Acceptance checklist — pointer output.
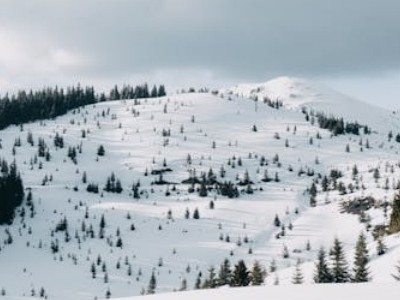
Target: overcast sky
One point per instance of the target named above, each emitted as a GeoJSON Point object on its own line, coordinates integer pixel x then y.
{"type": "Point", "coordinates": [352, 45]}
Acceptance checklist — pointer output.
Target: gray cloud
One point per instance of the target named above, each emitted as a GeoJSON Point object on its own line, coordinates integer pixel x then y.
{"type": "Point", "coordinates": [251, 40]}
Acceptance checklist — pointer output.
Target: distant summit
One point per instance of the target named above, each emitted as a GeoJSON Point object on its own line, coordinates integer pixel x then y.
{"type": "Point", "coordinates": [298, 93]}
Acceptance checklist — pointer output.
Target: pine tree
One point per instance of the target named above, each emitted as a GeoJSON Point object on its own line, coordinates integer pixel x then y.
{"type": "Point", "coordinates": [203, 188]}
{"type": "Point", "coordinates": [154, 93]}
{"type": "Point", "coordinates": [322, 274]}
{"type": "Point", "coordinates": [211, 281]}
{"type": "Point", "coordinates": [381, 248]}
{"type": "Point", "coordinates": [361, 260]}
{"type": "Point", "coordinates": [101, 151]}
{"type": "Point", "coordinates": [224, 274]}
{"type": "Point", "coordinates": [339, 270]}
{"type": "Point", "coordinates": [183, 285]}
{"type": "Point", "coordinates": [151, 288]}
{"type": "Point", "coordinates": [298, 274]}
{"type": "Point", "coordinates": [161, 91]}
{"type": "Point", "coordinates": [394, 225]}
{"type": "Point", "coordinates": [187, 213]}
{"type": "Point", "coordinates": [397, 275]}
{"type": "Point", "coordinates": [93, 270]}
{"type": "Point", "coordinates": [241, 275]}
{"type": "Point", "coordinates": [258, 274]}
{"type": "Point", "coordinates": [196, 214]}
{"type": "Point", "coordinates": [277, 222]}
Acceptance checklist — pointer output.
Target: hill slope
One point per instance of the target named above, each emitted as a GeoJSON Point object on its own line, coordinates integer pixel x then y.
{"type": "Point", "coordinates": [296, 93]}
{"type": "Point", "coordinates": [270, 156]}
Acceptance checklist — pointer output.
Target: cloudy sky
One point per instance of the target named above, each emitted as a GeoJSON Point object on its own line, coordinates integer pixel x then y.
{"type": "Point", "coordinates": [352, 45]}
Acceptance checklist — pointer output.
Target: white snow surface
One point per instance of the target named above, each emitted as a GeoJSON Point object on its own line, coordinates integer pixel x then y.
{"type": "Point", "coordinates": [132, 136]}
{"type": "Point", "coordinates": [296, 93]}
{"type": "Point", "coordinates": [298, 292]}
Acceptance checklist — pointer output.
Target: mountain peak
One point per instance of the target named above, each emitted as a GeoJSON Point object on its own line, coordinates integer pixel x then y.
{"type": "Point", "coordinates": [298, 93]}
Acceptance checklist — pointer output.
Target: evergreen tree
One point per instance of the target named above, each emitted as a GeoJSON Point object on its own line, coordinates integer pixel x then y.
{"type": "Point", "coordinates": [381, 248]}
{"type": "Point", "coordinates": [258, 274]}
{"type": "Point", "coordinates": [361, 259]}
{"type": "Point", "coordinates": [339, 270]}
{"type": "Point", "coordinates": [211, 281]}
{"type": "Point", "coordinates": [224, 274]}
{"type": "Point", "coordinates": [241, 276]}
{"type": "Point", "coordinates": [196, 214]}
{"type": "Point", "coordinates": [151, 288]}
{"type": "Point", "coordinates": [277, 222]}
{"type": "Point", "coordinates": [203, 188]}
{"type": "Point", "coordinates": [93, 270]}
{"type": "Point", "coordinates": [298, 274]}
{"type": "Point", "coordinates": [101, 151]}
{"type": "Point", "coordinates": [394, 225]}
{"type": "Point", "coordinates": [397, 275]}
{"type": "Point", "coordinates": [197, 284]}
{"type": "Point", "coordinates": [154, 92]}
{"type": "Point", "coordinates": [322, 274]}
{"type": "Point", "coordinates": [161, 91]}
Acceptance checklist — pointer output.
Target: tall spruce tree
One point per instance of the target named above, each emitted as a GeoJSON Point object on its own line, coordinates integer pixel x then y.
{"type": "Point", "coordinates": [298, 277]}
{"type": "Point", "coordinates": [339, 270]}
{"type": "Point", "coordinates": [258, 274]}
{"type": "Point", "coordinates": [225, 273]}
{"type": "Point", "coordinates": [241, 275]}
{"type": "Point", "coordinates": [322, 273]}
{"type": "Point", "coordinates": [151, 288]}
{"type": "Point", "coordinates": [211, 281]}
{"type": "Point", "coordinates": [394, 225]}
{"type": "Point", "coordinates": [361, 259]}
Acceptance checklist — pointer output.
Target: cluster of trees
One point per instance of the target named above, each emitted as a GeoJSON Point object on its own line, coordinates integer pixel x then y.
{"type": "Point", "coordinates": [135, 92]}
{"type": "Point", "coordinates": [11, 191]}
{"type": "Point", "coordinates": [274, 104]}
{"type": "Point", "coordinates": [336, 125]}
{"type": "Point", "coordinates": [47, 103]}
{"type": "Point", "coordinates": [28, 106]}
{"type": "Point", "coordinates": [239, 275]}
{"type": "Point", "coordinates": [337, 271]}
{"type": "Point", "coordinates": [113, 184]}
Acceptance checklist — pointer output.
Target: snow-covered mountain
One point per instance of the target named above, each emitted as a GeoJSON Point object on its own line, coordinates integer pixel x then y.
{"type": "Point", "coordinates": [158, 150]}
{"type": "Point", "coordinates": [296, 93]}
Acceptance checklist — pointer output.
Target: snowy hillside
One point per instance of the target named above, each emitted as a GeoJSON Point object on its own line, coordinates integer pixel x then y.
{"type": "Point", "coordinates": [296, 93]}
{"type": "Point", "coordinates": [193, 179]}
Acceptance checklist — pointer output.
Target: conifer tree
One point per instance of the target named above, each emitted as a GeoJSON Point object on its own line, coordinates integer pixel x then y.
{"type": "Point", "coordinates": [298, 274]}
{"type": "Point", "coordinates": [211, 281]}
{"type": "Point", "coordinates": [241, 276]}
{"type": "Point", "coordinates": [196, 214]}
{"type": "Point", "coordinates": [224, 274]}
{"type": "Point", "coordinates": [151, 288]}
{"type": "Point", "coordinates": [397, 275]}
{"type": "Point", "coordinates": [277, 222]}
{"type": "Point", "coordinates": [394, 225]}
{"type": "Point", "coordinates": [197, 284]}
{"type": "Point", "coordinates": [258, 274]}
{"type": "Point", "coordinates": [322, 274]}
{"type": "Point", "coordinates": [203, 188]}
{"type": "Point", "coordinates": [381, 248]}
{"type": "Point", "coordinates": [339, 270]}
{"type": "Point", "coordinates": [361, 259]}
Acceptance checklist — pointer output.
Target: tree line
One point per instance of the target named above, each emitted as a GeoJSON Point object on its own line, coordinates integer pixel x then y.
{"type": "Point", "coordinates": [28, 106]}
